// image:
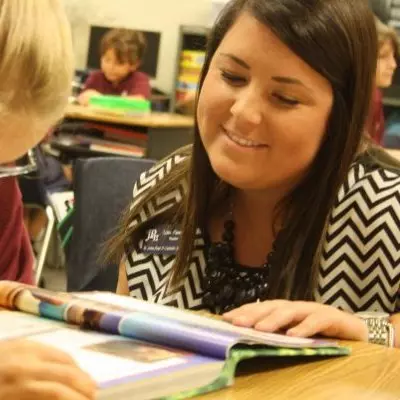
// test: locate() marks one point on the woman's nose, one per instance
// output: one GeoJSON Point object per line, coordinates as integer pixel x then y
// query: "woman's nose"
{"type": "Point", "coordinates": [247, 109]}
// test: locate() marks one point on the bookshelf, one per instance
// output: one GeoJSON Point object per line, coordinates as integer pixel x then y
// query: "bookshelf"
{"type": "Point", "coordinates": [190, 57]}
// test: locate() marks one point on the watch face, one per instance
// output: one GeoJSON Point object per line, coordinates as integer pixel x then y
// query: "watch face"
{"type": "Point", "coordinates": [373, 314]}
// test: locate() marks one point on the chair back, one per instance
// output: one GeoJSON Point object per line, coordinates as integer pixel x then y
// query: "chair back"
{"type": "Point", "coordinates": [103, 189]}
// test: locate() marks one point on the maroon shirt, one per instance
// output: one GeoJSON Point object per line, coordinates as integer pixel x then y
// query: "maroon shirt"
{"type": "Point", "coordinates": [16, 257]}
{"type": "Point", "coordinates": [136, 83]}
{"type": "Point", "coordinates": [376, 119]}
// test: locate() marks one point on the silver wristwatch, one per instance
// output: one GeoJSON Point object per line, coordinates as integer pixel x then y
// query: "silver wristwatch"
{"type": "Point", "coordinates": [380, 330]}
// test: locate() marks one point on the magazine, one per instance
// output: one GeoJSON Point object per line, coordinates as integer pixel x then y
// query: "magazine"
{"type": "Point", "coordinates": [134, 347]}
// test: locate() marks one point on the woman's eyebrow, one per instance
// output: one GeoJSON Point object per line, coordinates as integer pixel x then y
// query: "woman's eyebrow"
{"type": "Point", "coordinates": [236, 59]}
{"type": "Point", "coordinates": [290, 81]}
{"type": "Point", "coordinates": [281, 79]}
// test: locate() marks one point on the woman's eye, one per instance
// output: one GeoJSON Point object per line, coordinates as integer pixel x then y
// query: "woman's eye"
{"type": "Point", "coordinates": [288, 101]}
{"type": "Point", "coordinates": [232, 78]}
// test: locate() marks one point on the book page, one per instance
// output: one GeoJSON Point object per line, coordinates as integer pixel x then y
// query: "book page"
{"type": "Point", "coordinates": [142, 320]}
{"type": "Point", "coordinates": [109, 359]}
{"type": "Point", "coordinates": [211, 325]}
{"type": "Point", "coordinates": [13, 326]}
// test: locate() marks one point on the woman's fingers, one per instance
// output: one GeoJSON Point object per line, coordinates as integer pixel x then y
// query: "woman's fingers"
{"type": "Point", "coordinates": [281, 318]}
{"type": "Point", "coordinates": [331, 323]}
{"type": "Point", "coordinates": [299, 318]}
{"type": "Point", "coordinates": [270, 315]}
{"type": "Point", "coordinates": [249, 314]}
{"type": "Point", "coordinates": [313, 324]}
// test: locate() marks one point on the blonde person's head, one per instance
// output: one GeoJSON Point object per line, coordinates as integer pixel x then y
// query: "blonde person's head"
{"type": "Point", "coordinates": [35, 72]}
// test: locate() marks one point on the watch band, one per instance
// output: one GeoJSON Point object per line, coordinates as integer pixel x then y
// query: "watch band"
{"type": "Point", "coordinates": [391, 342]}
{"type": "Point", "coordinates": [380, 330]}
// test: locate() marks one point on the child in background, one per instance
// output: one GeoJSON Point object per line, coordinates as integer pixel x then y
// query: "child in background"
{"type": "Point", "coordinates": [388, 52]}
{"type": "Point", "coordinates": [121, 54]}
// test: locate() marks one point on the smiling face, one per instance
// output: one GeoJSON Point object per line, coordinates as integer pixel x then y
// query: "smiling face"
{"type": "Point", "coordinates": [262, 111]}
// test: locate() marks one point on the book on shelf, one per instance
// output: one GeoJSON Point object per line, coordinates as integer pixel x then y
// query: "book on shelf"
{"type": "Point", "coordinates": [119, 134]}
{"type": "Point", "coordinates": [120, 105]}
{"type": "Point", "coordinates": [135, 348]}
{"type": "Point", "coordinates": [100, 145]}
{"type": "Point", "coordinates": [112, 146]}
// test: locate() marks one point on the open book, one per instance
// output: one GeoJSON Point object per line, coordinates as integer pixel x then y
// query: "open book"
{"type": "Point", "coordinates": [135, 348]}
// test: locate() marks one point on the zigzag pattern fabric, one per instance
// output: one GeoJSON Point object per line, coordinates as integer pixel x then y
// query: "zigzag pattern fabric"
{"type": "Point", "coordinates": [148, 274]}
{"type": "Point", "coordinates": [360, 263]}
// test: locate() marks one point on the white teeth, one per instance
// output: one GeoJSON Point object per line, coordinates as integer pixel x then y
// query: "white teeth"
{"type": "Point", "coordinates": [243, 142]}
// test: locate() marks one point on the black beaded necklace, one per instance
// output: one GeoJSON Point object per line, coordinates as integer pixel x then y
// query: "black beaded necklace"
{"type": "Point", "coordinates": [228, 285]}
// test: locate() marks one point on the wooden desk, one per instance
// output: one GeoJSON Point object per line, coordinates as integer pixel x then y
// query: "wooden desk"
{"type": "Point", "coordinates": [371, 372]}
{"type": "Point", "coordinates": [391, 101]}
{"type": "Point", "coordinates": [394, 153]}
{"type": "Point", "coordinates": [166, 132]}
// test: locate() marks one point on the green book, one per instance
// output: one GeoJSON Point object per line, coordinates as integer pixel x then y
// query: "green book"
{"type": "Point", "coordinates": [135, 349]}
{"type": "Point", "coordinates": [120, 104]}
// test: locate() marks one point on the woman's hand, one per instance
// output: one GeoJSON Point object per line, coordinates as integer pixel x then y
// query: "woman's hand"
{"type": "Point", "coordinates": [29, 370]}
{"type": "Point", "coordinates": [299, 318]}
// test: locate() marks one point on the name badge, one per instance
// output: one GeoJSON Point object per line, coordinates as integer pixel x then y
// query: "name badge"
{"type": "Point", "coordinates": [161, 240]}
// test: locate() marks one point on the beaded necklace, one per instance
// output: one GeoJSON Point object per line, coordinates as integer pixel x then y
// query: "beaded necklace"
{"type": "Point", "coordinates": [228, 285]}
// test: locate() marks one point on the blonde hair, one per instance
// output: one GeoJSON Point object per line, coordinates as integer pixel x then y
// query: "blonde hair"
{"type": "Point", "coordinates": [386, 33]}
{"type": "Point", "coordinates": [36, 63]}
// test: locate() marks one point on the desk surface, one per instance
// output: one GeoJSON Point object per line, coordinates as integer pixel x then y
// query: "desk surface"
{"type": "Point", "coordinates": [153, 120]}
{"type": "Point", "coordinates": [391, 101]}
{"type": "Point", "coordinates": [371, 372]}
{"type": "Point", "coordinates": [394, 153]}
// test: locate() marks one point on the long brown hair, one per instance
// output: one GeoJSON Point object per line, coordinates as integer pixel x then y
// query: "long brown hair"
{"type": "Point", "coordinates": [337, 38]}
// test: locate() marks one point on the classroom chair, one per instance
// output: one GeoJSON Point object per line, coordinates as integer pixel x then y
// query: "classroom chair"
{"type": "Point", "coordinates": [103, 189]}
{"type": "Point", "coordinates": [34, 197]}
{"type": "Point", "coordinates": [37, 188]}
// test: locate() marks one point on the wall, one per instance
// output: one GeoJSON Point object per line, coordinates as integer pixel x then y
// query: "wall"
{"type": "Point", "coordinates": [163, 16]}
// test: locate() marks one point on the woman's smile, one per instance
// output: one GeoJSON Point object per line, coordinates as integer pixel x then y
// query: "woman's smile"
{"type": "Point", "coordinates": [242, 141]}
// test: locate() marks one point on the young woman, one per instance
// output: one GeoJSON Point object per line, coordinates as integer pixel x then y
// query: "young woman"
{"type": "Point", "coordinates": [388, 54]}
{"type": "Point", "coordinates": [279, 216]}
{"type": "Point", "coordinates": [35, 81]}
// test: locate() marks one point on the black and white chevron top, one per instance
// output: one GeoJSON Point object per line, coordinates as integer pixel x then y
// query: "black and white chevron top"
{"type": "Point", "coordinates": [360, 263]}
